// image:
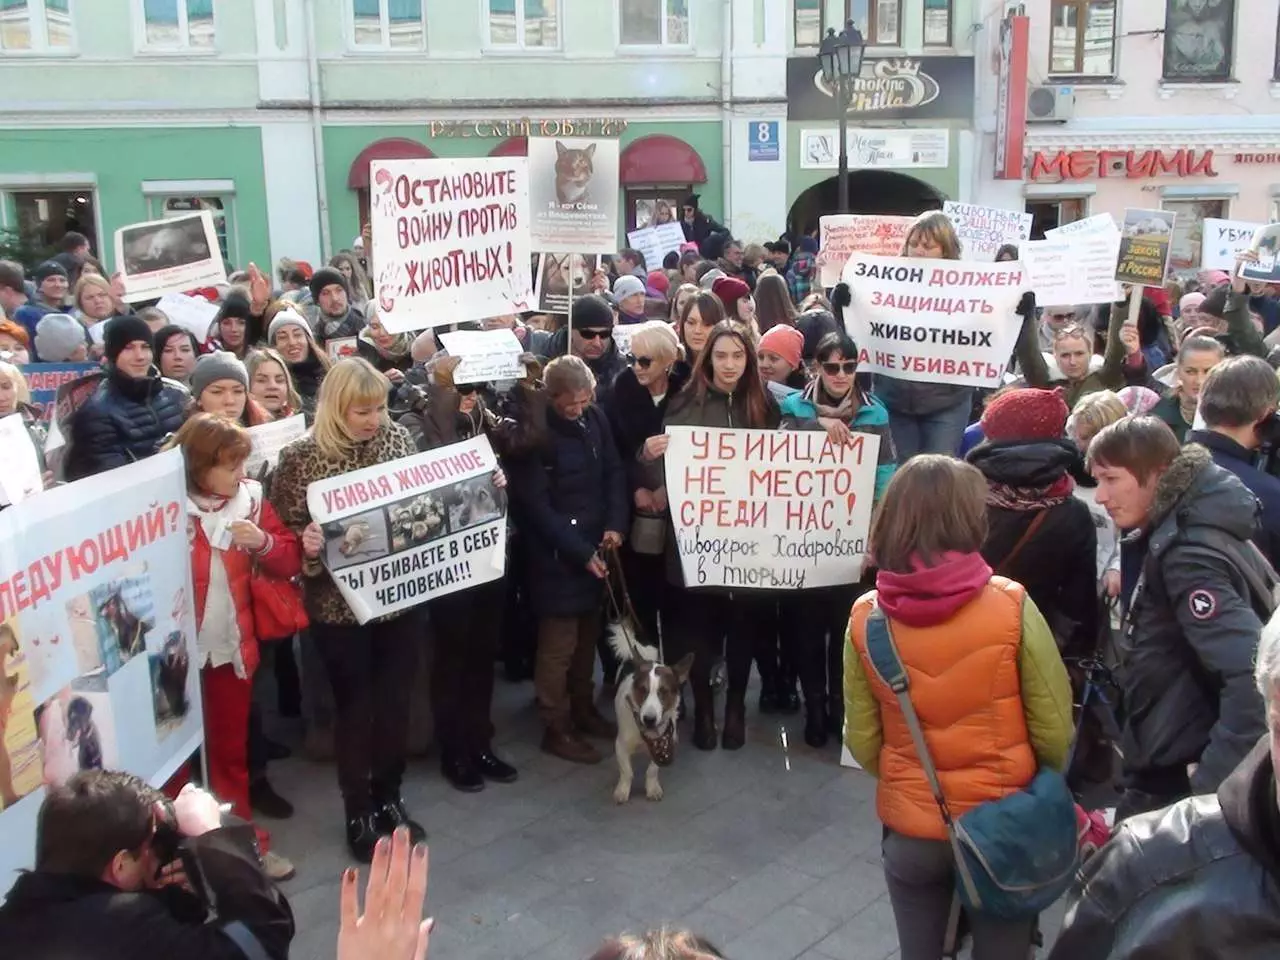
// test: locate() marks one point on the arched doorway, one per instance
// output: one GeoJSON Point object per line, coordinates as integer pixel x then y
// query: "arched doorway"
{"type": "Point", "coordinates": [870, 191]}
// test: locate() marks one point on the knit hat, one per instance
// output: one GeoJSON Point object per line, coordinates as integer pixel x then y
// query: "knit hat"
{"type": "Point", "coordinates": [658, 281]}
{"type": "Point", "coordinates": [627, 286]}
{"type": "Point", "coordinates": [50, 268]}
{"type": "Point", "coordinates": [1190, 300]}
{"type": "Point", "coordinates": [592, 312]}
{"type": "Point", "coordinates": [786, 341]}
{"type": "Point", "coordinates": [219, 365]}
{"type": "Point", "coordinates": [58, 336]}
{"type": "Point", "coordinates": [326, 277]}
{"type": "Point", "coordinates": [286, 318]}
{"type": "Point", "coordinates": [730, 290]}
{"type": "Point", "coordinates": [122, 331]}
{"type": "Point", "coordinates": [710, 277]}
{"type": "Point", "coordinates": [1138, 400]}
{"type": "Point", "coordinates": [1025, 414]}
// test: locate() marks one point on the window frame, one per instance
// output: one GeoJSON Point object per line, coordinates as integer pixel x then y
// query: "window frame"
{"type": "Point", "coordinates": [384, 22]}
{"type": "Point", "coordinates": [1082, 18]}
{"type": "Point", "coordinates": [520, 46]}
{"type": "Point", "coordinates": [822, 26]}
{"type": "Point", "coordinates": [872, 23]}
{"type": "Point", "coordinates": [158, 192]}
{"type": "Point", "coordinates": [1209, 196]}
{"type": "Point", "coordinates": [951, 25]}
{"type": "Point", "coordinates": [1057, 200]}
{"type": "Point", "coordinates": [1275, 73]}
{"type": "Point", "coordinates": [38, 30]}
{"type": "Point", "coordinates": [184, 49]}
{"type": "Point", "coordinates": [662, 45]}
{"type": "Point", "coordinates": [1227, 76]}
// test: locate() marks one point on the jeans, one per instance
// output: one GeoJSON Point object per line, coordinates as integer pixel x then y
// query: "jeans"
{"type": "Point", "coordinates": [940, 432]}
{"type": "Point", "coordinates": [466, 626]}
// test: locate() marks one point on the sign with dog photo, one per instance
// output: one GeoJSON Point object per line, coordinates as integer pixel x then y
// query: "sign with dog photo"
{"type": "Point", "coordinates": [560, 273]}
{"type": "Point", "coordinates": [573, 194]}
{"type": "Point", "coordinates": [770, 509]}
{"type": "Point", "coordinates": [398, 534]}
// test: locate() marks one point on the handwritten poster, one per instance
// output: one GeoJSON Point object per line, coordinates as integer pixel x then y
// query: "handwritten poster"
{"type": "Point", "coordinates": [1221, 240]}
{"type": "Point", "coordinates": [984, 230]}
{"type": "Point", "coordinates": [1072, 269]}
{"type": "Point", "coordinates": [269, 439]}
{"type": "Point", "coordinates": [842, 235]}
{"type": "Point", "coordinates": [656, 242]}
{"type": "Point", "coordinates": [20, 467]}
{"type": "Point", "coordinates": [1101, 222]}
{"type": "Point", "coordinates": [193, 314]}
{"type": "Point", "coordinates": [487, 355]}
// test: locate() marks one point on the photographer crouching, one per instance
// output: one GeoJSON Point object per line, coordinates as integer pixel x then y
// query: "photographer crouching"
{"type": "Point", "coordinates": [122, 873]}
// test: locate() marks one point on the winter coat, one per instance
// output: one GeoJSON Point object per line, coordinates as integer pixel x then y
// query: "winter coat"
{"type": "Point", "coordinates": [870, 417]}
{"type": "Point", "coordinates": [1191, 630]}
{"type": "Point", "coordinates": [1199, 880]}
{"type": "Point", "coordinates": [634, 418]}
{"type": "Point", "coordinates": [125, 420]}
{"type": "Point", "coordinates": [606, 367]}
{"type": "Point", "coordinates": [992, 696]}
{"type": "Point", "coordinates": [566, 493]}
{"type": "Point", "coordinates": [1237, 460]}
{"type": "Point", "coordinates": [396, 358]}
{"type": "Point", "coordinates": [328, 328]}
{"type": "Point", "coordinates": [701, 228]}
{"type": "Point", "coordinates": [1111, 376]}
{"type": "Point", "coordinates": [301, 464]}
{"type": "Point", "coordinates": [280, 558]}
{"type": "Point", "coordinates": [307, 377]}
{"type": "Point", "coordinates": [1058, 563]}
{"type": "Point", "coordinates": [1170, 411]}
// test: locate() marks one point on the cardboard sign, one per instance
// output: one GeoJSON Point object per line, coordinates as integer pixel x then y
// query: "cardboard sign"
{"type": "Point", "coordinates": [1221, 240]}
{"type": "Point", "coordinates": [842, 235]}
{"type": "Point", "coordinates": [1266, 245]}
{"type": "Point", "coordinates": [44, 379]}
{"type": "Point", "coordinates": [769, 509]}
{"type": "Point", "coordinates": [935, 321]}
{"type": "Point", "coordinates": [1099, 223]}
{"type": "Point", "coordinates": [398, 534]}
{"type": "Point", "coordinates": [269, 439]}
{"type": "Point", "coordinates": [175, 254]}
{"type": "Point", "coordinates": [1145, 239]}
{"type": "Point", "coordinates": [573, 194]}
{"type": "Point", "coordinates": [558, 273]}
{"type": "Point", "coordinates": [1072, 269]}
{"type": "Point", "coordinates": [487, 355]}
{"type": "Point", "coordinates": [98, 638]}
{"type": "Point", "coordinates": [452, 240]}
{"type": "Point", "coordinates": [20, 466]}
{"type": "Point", "coordinates": [192, 314]}
{"type": "Point", "coordinates": [656, 242]}
{"type": "Point", "coordinates": [984, 230]}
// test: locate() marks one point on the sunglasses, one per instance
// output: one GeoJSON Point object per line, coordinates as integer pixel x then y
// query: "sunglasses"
{"type": "Point", "coordinates": [833, 368]}
{"type": "Point", "coordinates": [642, 362]}
{"type": "Point", "coordinates": [594, 334]}
{"type": "Point", "coordinates": [466, 389]}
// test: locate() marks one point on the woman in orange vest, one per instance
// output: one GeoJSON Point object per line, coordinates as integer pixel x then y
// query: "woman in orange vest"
{"type": "Point", "coordinates": [985, 679]}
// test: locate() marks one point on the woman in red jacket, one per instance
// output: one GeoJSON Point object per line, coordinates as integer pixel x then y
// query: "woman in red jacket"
{"type": "Point", "coordinates": [232, 529]}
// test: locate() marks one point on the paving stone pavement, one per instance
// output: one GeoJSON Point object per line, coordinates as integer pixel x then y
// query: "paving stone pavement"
{"type": "Point", "coordinates": [772, 853]}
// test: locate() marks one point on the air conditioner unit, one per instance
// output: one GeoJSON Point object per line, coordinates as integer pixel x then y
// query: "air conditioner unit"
{"type": "Point", "coordinates": [1050, 104]}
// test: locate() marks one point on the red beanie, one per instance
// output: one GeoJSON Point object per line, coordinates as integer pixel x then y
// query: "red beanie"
{"type": "Point", "coordinates": [730, 290]}
{"type": "Point", "coordinates": [658, 281]}
{"type": "Point", "coordinates": [784, 340]}
{"type": "Point", "coordinates": [1025, 414]}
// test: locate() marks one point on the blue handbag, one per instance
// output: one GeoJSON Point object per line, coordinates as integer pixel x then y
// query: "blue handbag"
{"type": "Point", "coordinates": [1015, 856]}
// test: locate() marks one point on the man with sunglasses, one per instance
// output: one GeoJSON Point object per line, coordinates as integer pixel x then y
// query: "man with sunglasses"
{"type": "Point", "coordinates": [592, 341]}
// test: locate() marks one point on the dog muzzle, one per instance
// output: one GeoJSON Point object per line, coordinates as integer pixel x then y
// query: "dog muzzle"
{"type": "Point", "coordinates": [661, 745]}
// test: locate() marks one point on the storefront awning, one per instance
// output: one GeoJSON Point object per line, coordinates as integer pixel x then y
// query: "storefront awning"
{"type": "Point", "coordinates": [660, 158]}
{"type": "Point", "coordinates": [511, 147]}
{"type": "Point", "coordinates": [392, 148]}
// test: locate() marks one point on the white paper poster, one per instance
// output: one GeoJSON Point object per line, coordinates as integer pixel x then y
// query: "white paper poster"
{"type": "Point", "coordinates": [842, 235]}
{"type": "Point", "coordinates": [20, 466]}
{"type": "Point", "coordinates": [984, 230]}
{"type": "Point", "coordinates": [1266, 244]}
{"type": "Point", "coordinates": [770, 509]}
{"type": "Point", "coordinates": [192, 314]}
{"type": "Point", "coordinates": [656, 242]}
{"type": "Point", "coordinates": [269, 439]}
{"type": "Point", "coordinates": [1221, 240]}
{"type": "Point", "coordinates": [573, 194]}
{"type": "Point", "coordinates": [399, 533]}
{"type": "Point", "coordinates": [451, 238]}
{"type": "Point", "coordinates": [935, 321]}
{"type": "Point", "coordinates": [97, 638]}
{"type": "Point", "coordinates": [1072, 269]}
{"type": "Point", "coordinates": [487, 355]}
{"type": "Point", "coordinates": [1102, 222]}
{"type": "Point", "coordinates": [162, 256]}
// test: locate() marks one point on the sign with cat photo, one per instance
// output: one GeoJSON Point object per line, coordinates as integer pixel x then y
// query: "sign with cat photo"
{"type": "Point", "coordinates": [573, 194]}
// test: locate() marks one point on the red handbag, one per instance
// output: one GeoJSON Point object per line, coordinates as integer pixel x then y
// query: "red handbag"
{"type": "Point", "coordinates": [277, 607]}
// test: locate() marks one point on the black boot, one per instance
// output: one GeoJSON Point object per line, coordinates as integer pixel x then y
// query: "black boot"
{"type": "Point", "coordinates": [735, 721]}
{"type": "Point", "coordinates": [493, 768]}
{"type": "Point", "coordinates": [362, 836]}
{"type": "Point", "coordinates": [815, 724]}
{"type": "Point", "coordinates": [704, 717]}
{"type": "Point", "coordinates": [769, 700]}
{"type": "Point", "coordinates": [389, 814]}
{"type": "Point", "coordinates": [264, 799]}
{"type": "Point", "coordinates": [461, 772]}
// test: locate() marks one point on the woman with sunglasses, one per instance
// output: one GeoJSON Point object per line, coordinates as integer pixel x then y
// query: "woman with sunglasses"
{"type": "Point", "coordinates": [818, 624]}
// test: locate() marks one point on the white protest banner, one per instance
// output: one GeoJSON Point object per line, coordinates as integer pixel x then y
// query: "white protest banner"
{"type": "Point", "coordinates": [451, 238]}
{"type": "Point", "coordinates": [656, 242]}
{"type": "Point", "coordinates": [97, 638]}
{"type": "Point", "coordinates": [842, 235]}
{"type": "Point", "coordinates": [20, 466]}
{"type": "Point", "coordinates": [487, 355]}
{"type": "Point", "coordinates": [770, 509]}
{"type": "Point", "coordinates": [984, 230]}
{"type": "Point", "coordinates": [1101, 222]}
{"type": "Point", "coordinates": [936, 321]}
{"type": "Point", "coordinates": [1221, 240]}
{"type": "Point", "coordinates": [398, 534]}
{"type": "Point", "coordinates": [1266, 245]}
{"type": "Point", "coordinates": [193, 314]}
{"type": "Point", "coordinates": [573, 194]}
{"type": "Point", "coordinates": [269, 439]}
{"type": "Point", "coordinates": [161, 256]}
{"type": "Point", "coordinates": [1073, 269]}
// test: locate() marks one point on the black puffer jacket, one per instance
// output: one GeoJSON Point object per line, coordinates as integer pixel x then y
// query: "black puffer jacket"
{"type": "Point", "coordinates": [125, 420]}
{"type": "Point", "coordinates": [1197, 881]}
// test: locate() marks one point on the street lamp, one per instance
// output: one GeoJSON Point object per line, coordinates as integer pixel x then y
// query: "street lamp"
{"type": "Point", "coordinates": [841, 59]}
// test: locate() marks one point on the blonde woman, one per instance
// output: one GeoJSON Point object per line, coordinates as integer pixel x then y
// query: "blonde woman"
{"type": "Point", "coordinates": [371, 667]}
{"type": "Point", "coordinates": [270, 383]}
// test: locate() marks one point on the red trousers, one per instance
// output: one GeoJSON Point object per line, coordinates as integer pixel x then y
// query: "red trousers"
{"type": "Point", "coordinates": [226, 739]}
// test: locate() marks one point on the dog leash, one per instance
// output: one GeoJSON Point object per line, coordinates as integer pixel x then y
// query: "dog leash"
{"type": "Point", "coordinates": [625, 611]}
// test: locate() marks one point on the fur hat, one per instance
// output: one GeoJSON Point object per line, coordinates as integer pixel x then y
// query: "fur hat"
{"type": "Point", "coordinates": [286, 318]}
{"type": "Point", "coordinates": [730, 290]}
{"type": "Point", "coordinates": [219, 365]}
{"type": "Point", "coordinates": [786, 341]}
{"type": "Point", "coordinates": [593, 312]}
{"type": "Point", "coordinates": [1025, 414]}
{"type": "Point", "coordinates": [327, 277]}
{"type": "Point", "coordinates": [122, 331]}
{"type": "Point", "coordinates": [58, 336]}
{"type": "Point", "coordinates": [627, 286]}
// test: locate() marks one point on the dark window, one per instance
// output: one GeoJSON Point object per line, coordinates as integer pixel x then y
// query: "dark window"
{"type": "Point", "coordinates": [1198, 39]}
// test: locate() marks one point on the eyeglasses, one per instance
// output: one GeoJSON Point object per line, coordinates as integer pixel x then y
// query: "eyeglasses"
{"type": "Point", "coordinates": [594, 334]}
{"type": "Point", "coordinates": [642, 362]}
{"type": "Point", "coordinates": [834, 368]}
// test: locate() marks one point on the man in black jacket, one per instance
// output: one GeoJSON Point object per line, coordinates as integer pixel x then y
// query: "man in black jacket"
{"type": "Point", "coordinates": [100, 888]}
{"type": "Point", "coordinates": [335, 318]}
{"type": "Point", "coordinates": [592, 342]}
{"type": "Point", "coordinates": [1195, 592]}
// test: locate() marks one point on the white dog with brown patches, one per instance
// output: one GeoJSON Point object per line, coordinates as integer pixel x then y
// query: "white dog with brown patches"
{"type": "Point", "coordinates": [646, 705]}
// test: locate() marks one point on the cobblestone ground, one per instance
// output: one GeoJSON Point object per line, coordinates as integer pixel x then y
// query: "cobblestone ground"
{"type": "Point", "coordinates": [773, 853]}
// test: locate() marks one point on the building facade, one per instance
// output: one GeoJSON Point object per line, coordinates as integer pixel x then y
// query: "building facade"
{"type": "Point", "coordinates": [1168, 104]}
{"type": "Point", "coordinates": [268, 112]}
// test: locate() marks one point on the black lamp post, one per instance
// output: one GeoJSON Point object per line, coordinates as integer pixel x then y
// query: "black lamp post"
{"type": "Point", "coordinates": [841, 59]}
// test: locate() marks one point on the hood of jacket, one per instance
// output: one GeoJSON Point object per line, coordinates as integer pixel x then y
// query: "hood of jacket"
{"type": "Point", "coordinates": [1196, 492]}
{"type": "Point", "coordinates": [1022, 464]}
{"type": "Point", "coordinates": [1250, 807]}
{"type": "Point", "coordinates": [931, 594]}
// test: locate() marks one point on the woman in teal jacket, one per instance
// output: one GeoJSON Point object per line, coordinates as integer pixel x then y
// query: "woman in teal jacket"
{"type": "Point", "coordinates": [818, 623]}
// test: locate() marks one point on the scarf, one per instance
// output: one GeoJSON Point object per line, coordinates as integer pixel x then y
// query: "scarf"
{"type": "Point", "coordinates": [930, 595]}
{"type": "Point", "coordinates": [843, 410]}
{"type": "Point", "coordinates": [1008, 497]}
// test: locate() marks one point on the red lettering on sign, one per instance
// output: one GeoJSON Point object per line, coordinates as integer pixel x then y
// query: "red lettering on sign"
{"type": "Point", "coordinates": [1131, 164]}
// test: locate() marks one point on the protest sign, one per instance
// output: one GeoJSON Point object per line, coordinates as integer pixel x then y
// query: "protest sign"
{"type": "Point", "coordinates": [269, 439]}
{"type": "Point", "coordinates": [1072, 269]}
{"type": "Point", "coordinates": [1266, 246]}
{"type": "Point", "coordinates": [936, 321]}
{"type": "Point", "coordinates": [161, 256]}
{"type": "Point", "coordinates": [656, 242]}
{"type": "Point", "coordinates": [487, 355]}
{"type": "Point", "coordinates": [557, 272]}
{"type": "Point", "coordinates": [339, 348]}
{"type": "Point", "coordinates": [984, 230]}
{"type": "Point", "coordinates": [398, 534]}
{"type": "Point", "coordinates": [193, 314]}
{"type": "Point", "coordinates": [20, 467]}
{"type": "Point", "coordinates": [1099, 223]}
{"type": "Point", "coordinates": [1221, 240]}
{"type": "Point", "coordinates": [1145, 239]}
{"type": "Point", "coordinates": [842, 235]}
{"type": "Point", "coordinates": [573, 194]}
{"type": "Point", "coordinates": [770, 509]}
{"type": "Point", "coordinates": [97, 638]}
{"type": "Point", "coordinates": [44, 379]}
{"type": "Point", "coordinates": [451, 238]}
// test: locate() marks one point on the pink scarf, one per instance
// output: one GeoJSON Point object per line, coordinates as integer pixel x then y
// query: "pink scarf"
{"type": "Point", "coordinates": [930, 595]}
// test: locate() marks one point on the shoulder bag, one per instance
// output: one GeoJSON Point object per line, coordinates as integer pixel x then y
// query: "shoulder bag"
{"type": "Point", "coordinates": [278, 612]}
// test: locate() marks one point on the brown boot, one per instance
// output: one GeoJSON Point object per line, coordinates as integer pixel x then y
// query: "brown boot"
{"type": "Point", "coordinates": [569, 746]}
{"type": "Point", "coordinates": [590, 722]}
